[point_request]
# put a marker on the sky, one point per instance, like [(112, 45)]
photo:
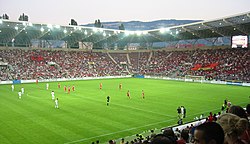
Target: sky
[(84, 12)]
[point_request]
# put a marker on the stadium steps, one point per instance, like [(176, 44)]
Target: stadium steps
[(128, 59), (149, 58), (111, 58), (166, 58)]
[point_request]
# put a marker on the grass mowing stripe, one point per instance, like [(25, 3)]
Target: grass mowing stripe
[(83, 114)]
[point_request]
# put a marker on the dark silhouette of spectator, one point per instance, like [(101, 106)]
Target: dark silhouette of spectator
[(209, 133), (170, 134), (184, 137), (162, 139), (239, 111), (248, 109)]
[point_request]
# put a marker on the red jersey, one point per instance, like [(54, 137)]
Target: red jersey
[(36, 81), (142, 94), (128, 94), (65, 88), (120, 86), (73, 88), (100, 85), (69, 89), (59, 86)]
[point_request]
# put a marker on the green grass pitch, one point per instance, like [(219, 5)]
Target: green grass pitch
[(83, 115)]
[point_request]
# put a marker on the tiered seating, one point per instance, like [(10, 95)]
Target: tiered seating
[(217, 64)]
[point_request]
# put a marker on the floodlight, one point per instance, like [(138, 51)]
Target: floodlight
[(109, 34), (50, 26), (57, 26), (95, 29), (13, 40), (101, 30), (85, 32), (30, 24), (162, 30), (24, 23), (49, 30), (16, 28), (127, 33), (145, 32), (1, 21), (104, 34), (176, 32), (65, 31), (42, 29), (138, 33)]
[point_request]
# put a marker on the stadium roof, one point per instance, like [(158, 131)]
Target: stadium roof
[(22, 32)]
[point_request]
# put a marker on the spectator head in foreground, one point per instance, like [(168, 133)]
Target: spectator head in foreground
[(239, 111), (248, 109), (233, 127), (209, 133), (162, 139)]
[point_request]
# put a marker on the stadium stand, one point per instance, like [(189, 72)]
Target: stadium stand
[(214, 64)]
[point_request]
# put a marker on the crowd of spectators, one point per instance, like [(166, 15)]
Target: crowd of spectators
[(231, 64), (46, 64), (231, 127)]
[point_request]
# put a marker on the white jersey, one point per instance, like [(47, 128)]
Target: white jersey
[(22, 89), (19, 95), (47, 86), (53, 95), (12, 87), (56, 103), (182, 110)]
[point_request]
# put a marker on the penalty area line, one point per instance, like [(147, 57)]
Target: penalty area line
[(81, 140)]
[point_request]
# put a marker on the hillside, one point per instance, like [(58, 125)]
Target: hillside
[(139, 25)]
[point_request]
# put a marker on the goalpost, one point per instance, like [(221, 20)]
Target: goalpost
[(192, 78)]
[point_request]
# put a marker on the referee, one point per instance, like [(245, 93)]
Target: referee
[(108, 99)]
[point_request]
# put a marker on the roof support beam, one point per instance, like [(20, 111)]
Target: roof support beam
[(216, 30), (235, 25)]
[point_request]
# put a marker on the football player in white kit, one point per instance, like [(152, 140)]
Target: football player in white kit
[(22, 89), (56, 103), (53, 95), (19, 94), (12, 87), (47, 86)]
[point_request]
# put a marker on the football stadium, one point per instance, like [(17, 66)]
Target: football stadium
[(77, 84)]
